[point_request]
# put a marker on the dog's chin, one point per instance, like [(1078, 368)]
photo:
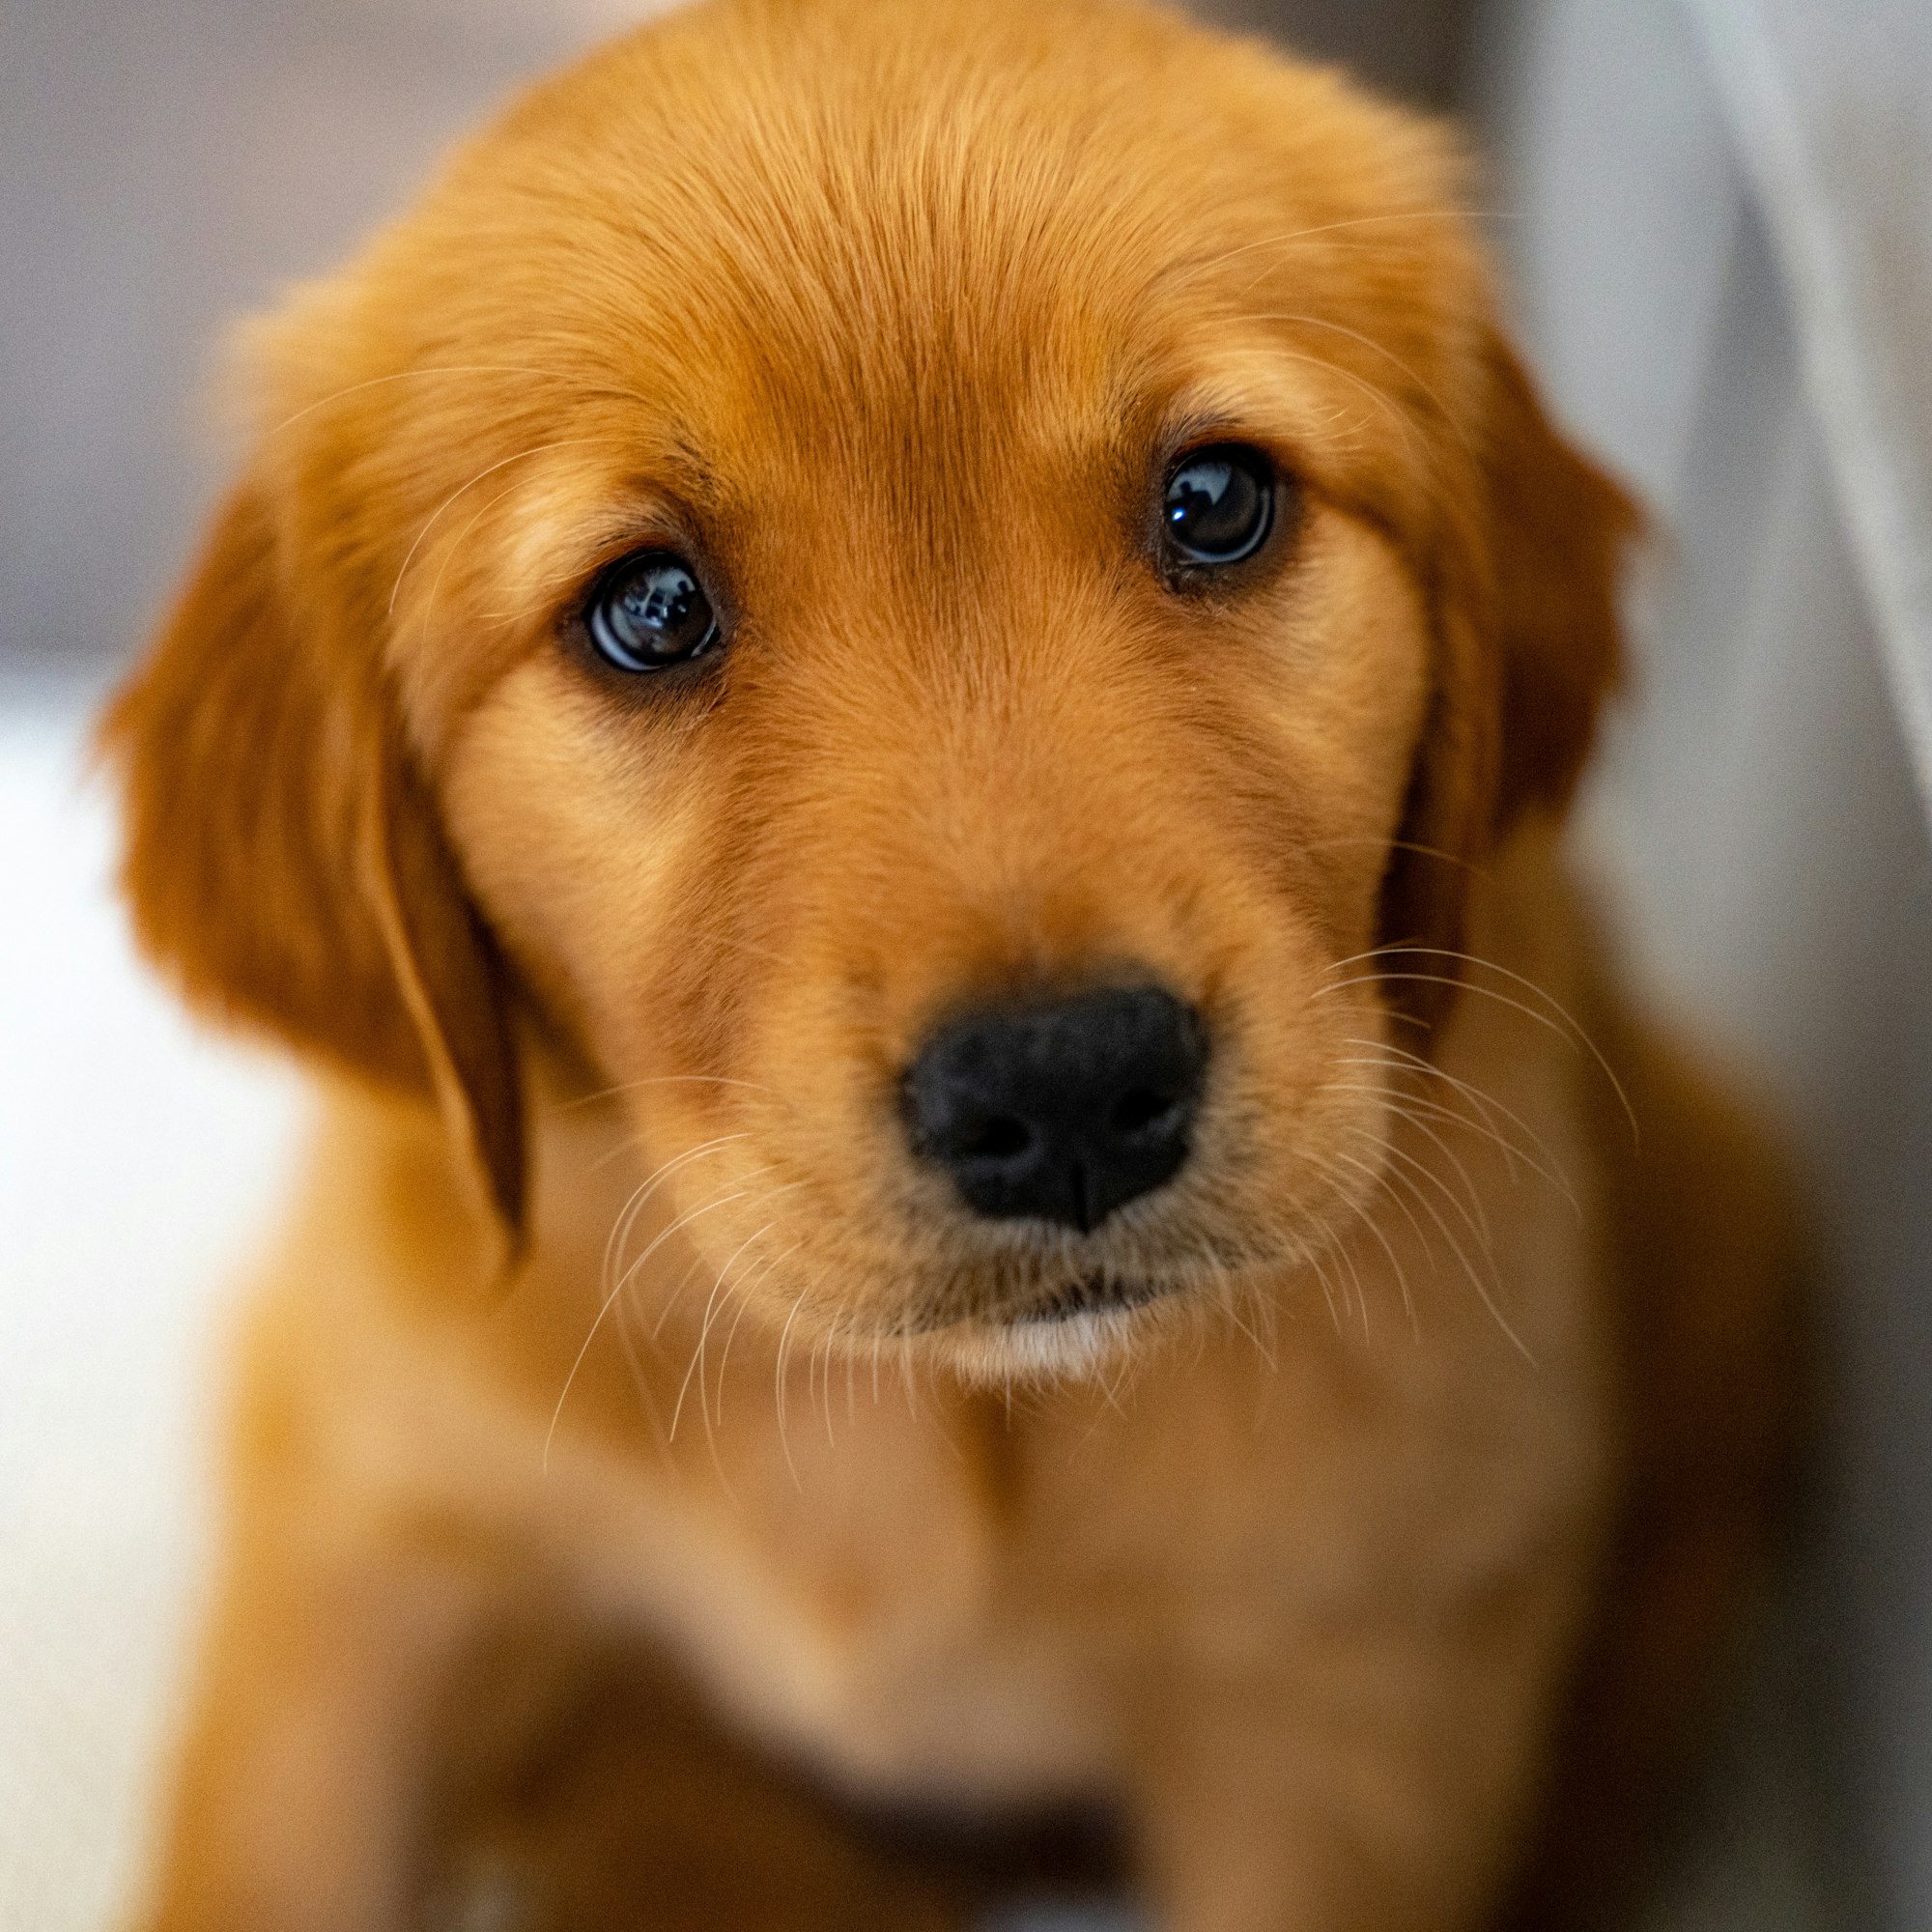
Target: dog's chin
[(1071, 1333)]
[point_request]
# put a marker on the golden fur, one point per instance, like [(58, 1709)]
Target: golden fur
[(1368, 1572)]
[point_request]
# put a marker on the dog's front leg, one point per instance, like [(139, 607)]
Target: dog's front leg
[(330, 1720), (1386, 1787)]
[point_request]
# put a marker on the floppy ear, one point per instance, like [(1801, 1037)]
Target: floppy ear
[(1559, 528), (1528, 645), (284, 860)]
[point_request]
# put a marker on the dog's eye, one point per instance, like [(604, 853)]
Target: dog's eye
[(649, 612), (1218, 504)]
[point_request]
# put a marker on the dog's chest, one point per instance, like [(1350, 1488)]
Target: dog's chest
[(984, 1615)]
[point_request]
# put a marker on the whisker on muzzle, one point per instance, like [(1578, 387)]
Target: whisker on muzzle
[(627, 1218), (1565, 1025)]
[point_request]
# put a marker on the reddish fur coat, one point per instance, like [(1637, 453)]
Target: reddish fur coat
[(617, 1338)]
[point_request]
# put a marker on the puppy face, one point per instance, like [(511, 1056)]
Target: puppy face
[(920, 587)]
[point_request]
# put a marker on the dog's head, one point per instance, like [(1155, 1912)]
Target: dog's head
[(913, 585)]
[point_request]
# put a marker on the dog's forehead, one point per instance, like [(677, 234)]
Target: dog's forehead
[(899, 264), (808, 280), (839, 223)]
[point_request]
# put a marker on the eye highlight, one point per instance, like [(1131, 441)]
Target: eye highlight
[(649, 612), (1219, 505)]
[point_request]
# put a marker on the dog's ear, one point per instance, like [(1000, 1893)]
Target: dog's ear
[(1558, 532), (1528, 645), (284, 860)]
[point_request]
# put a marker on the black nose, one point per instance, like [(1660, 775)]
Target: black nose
[(1062, 1110)]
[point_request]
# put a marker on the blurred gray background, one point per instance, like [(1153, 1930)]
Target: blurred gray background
[(1716, 217)]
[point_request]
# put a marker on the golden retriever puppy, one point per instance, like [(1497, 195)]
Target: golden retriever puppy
[(886, 702)]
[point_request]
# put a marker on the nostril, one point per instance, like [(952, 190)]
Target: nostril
[(1000, 1138), (1140, 1108), (1063, 1108)]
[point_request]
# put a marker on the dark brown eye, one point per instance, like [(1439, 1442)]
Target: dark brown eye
[(1218, 504), (649, 612)]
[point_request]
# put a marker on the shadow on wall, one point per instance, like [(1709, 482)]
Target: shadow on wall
[(1415, 48)]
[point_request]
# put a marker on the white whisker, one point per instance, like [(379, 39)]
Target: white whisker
[(1483, 1290), (436, 516), (1576, 1031), (703, 1334), (1487, 1105), (604, 1306)]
